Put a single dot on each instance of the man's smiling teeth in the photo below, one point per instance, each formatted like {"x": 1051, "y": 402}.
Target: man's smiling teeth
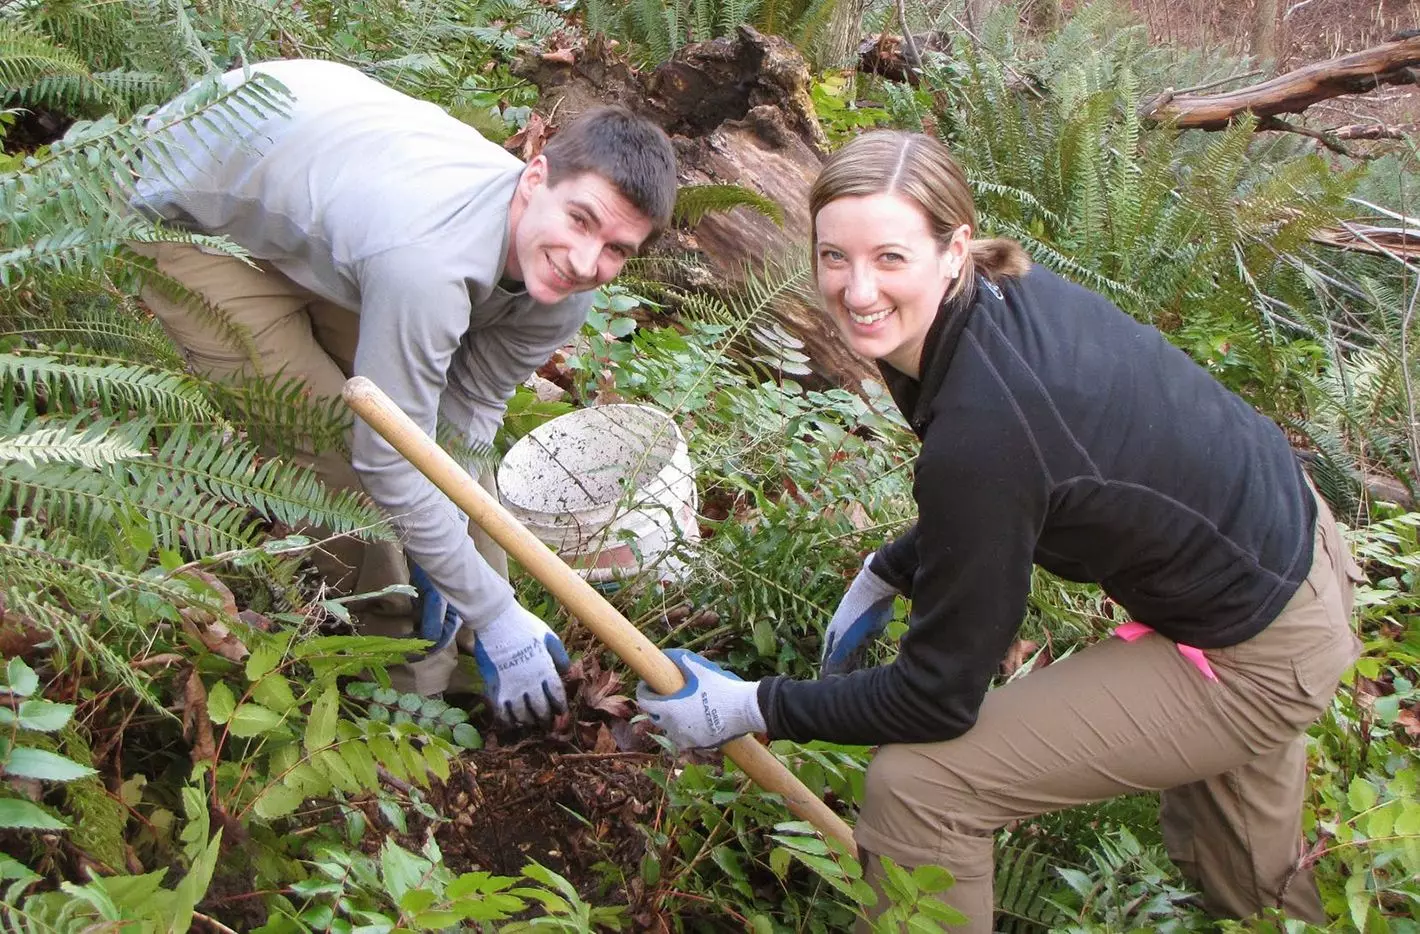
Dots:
{"x": 557, "y": 271}
{"x": 873, "y": 318}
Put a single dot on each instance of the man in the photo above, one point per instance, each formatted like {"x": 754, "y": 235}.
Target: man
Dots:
{"x": 394, "y": 242}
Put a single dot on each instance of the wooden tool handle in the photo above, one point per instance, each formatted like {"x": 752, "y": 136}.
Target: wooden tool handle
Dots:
{"x": 594, "y": 612}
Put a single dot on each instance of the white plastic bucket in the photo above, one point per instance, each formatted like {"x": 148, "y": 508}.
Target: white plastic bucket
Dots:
{"x": 611, "y": 489}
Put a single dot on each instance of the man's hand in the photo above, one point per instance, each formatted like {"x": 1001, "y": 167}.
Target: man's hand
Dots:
{"x": 714, "y": 706}
{"x": 863, "y": 612}
{"x": 438, "y": 621}
{"x": 522, "y": 662}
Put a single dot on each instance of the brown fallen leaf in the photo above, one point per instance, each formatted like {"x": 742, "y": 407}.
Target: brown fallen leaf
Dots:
{"x": 196, "y": 724}
{"x": 255, "y": 620}
{"x": 214, "y": 635}
{"x": 527, "y": 143}
{"x": 561, "y": 56}
{"x": 1017, "y": 655}
{"x": 1410, "y": 719}
{"x": 606, "y": 743}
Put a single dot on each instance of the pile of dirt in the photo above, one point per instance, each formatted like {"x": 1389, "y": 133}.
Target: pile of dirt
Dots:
{"x": 571, "y": 811}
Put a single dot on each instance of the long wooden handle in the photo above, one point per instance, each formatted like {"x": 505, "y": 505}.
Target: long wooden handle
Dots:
{"x": 603, "y": 619}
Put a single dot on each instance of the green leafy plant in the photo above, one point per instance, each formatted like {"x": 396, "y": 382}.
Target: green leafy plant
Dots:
{"x": 24, "y": 713}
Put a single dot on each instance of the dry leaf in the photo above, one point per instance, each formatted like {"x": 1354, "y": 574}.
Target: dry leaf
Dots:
{"x": 1017, "y": 655}
{"x": 196, "y": 725}
{"x": 561, "y": 56}
{"x": 858, "y": 517}
{"x": 605, "y": 743}
{"x": 216, "y": 636}
{"x": 527, "y": 143}
{"x": 1410, "y": 719}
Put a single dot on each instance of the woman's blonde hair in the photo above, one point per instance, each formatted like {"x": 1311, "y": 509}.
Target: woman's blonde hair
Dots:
{"x": 919, "y": 168}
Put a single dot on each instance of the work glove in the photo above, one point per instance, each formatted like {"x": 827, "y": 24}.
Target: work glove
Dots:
{"x": 862, "y": 614}
{"x": 714, "y": 706}
{"x": 522, "y": 662}
{"x": 438, "y": 621}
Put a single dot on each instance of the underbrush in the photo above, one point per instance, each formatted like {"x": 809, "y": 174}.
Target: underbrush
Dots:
{"x": 192, "y": 737}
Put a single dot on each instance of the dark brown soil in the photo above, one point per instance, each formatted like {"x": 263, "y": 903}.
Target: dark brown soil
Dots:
{"x": 568, "y": 810}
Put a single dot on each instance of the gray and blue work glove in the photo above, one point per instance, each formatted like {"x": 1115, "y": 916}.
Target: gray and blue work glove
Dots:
{"x": 519, "y": 657}
{"x": 438, "y": 621}
{"x": 862, "y": 614}
{"x": 714, "y": 706}
{"x": 522, "y": 663}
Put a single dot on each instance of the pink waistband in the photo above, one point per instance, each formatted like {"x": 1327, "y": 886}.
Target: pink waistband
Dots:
{"x": 1132, "y": 631}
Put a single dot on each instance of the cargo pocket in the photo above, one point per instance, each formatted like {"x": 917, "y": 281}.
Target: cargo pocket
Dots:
{"x": 1317, "y": 674}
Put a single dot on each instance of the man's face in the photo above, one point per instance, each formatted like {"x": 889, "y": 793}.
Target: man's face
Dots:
{"x": 572, "y": 236}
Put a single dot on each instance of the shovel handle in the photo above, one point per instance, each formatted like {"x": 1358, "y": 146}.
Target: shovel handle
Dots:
{"x": 614, "y": 630}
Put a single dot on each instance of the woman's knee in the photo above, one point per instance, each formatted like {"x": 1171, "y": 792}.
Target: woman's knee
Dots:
{"x": 918, "y": 802}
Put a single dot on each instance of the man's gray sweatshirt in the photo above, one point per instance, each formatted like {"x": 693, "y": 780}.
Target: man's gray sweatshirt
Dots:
{"x": 387, "y": 206}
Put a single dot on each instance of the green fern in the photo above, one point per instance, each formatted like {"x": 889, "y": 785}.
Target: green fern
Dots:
{"x": 43, "y": 441}
{"x": 224, "y": 470}
{"x": 1025, "y": 888}
{"x": 116, "y": 387}
{"x": 695, "y": 201}
{"x": 34, "y": 70}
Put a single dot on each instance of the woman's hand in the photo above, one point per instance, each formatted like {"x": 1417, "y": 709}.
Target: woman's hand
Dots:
{"x": 862, "y": 614}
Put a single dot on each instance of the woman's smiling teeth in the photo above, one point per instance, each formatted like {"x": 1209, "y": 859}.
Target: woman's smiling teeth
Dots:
{"x": 873, "y": 318}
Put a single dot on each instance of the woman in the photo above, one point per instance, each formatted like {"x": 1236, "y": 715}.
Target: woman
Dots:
{"x": 1056, "y": 431}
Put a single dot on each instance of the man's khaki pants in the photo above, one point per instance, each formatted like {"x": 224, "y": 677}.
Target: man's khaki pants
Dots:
{"x": 285, "y": 329}
{"x": 1229, "y": 756}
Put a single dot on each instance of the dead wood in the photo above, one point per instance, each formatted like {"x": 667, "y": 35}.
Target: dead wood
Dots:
{"x": 886, "y": 54}
{"x": 1395, "y": 62}
{"x": 739, "y": 112}
{"x": 1375, "y": 131}
{"x": 1396, "y": 242}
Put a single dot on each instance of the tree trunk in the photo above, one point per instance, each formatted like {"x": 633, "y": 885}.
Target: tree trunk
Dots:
{"x": 1265, "y": 17}
{"x": 976, "y": 12}
{"x": 839, "y": 45}
{"x": 739, "y": 112}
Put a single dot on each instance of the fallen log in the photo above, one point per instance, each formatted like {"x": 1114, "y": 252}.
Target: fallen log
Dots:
{"x": 1376, "y": 131}
{"x": 739, "y": 112}
{"x": 1398, "y": 242}
{"x": 1395, "y": 62}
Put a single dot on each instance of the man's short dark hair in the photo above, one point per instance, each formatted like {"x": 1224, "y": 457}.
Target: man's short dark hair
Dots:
{"x": 629, "y": 151}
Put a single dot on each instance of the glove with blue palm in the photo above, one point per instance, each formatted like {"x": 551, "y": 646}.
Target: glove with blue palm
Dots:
{"x": 522, "y": 662}
{"x": 714, "y": 706}
{"x": 862, "y": 614}
{"x": 438, "y": 621}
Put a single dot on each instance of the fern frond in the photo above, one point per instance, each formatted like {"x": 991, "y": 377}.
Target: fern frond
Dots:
{"x": 116, "y": 387}
{"x": 279, "y": 413}
{"x": 693, "y": 202}
{"x": 109, "y": 329}
{"x": 34, "y": 70}
{"x": 76, "y": 638}
{"x": 236, "y": 473}
{"x": 98, "y": 502}
{"x": 1025, "y": 887}
{"x": 44, "y": 441}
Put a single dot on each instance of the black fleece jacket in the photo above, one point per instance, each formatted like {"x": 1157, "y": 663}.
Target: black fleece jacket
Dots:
{"x": 1058, "y": 431}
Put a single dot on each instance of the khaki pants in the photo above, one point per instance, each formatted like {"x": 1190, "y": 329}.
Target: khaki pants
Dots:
{"x": 262, "y": 324}
{"x": 1120, "y": 717}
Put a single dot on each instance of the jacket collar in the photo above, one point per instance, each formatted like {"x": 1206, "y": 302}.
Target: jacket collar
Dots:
{"x": 914, "y": 396}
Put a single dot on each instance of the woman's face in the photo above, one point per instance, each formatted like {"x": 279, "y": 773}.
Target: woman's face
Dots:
{"x": 883, "y": 275}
